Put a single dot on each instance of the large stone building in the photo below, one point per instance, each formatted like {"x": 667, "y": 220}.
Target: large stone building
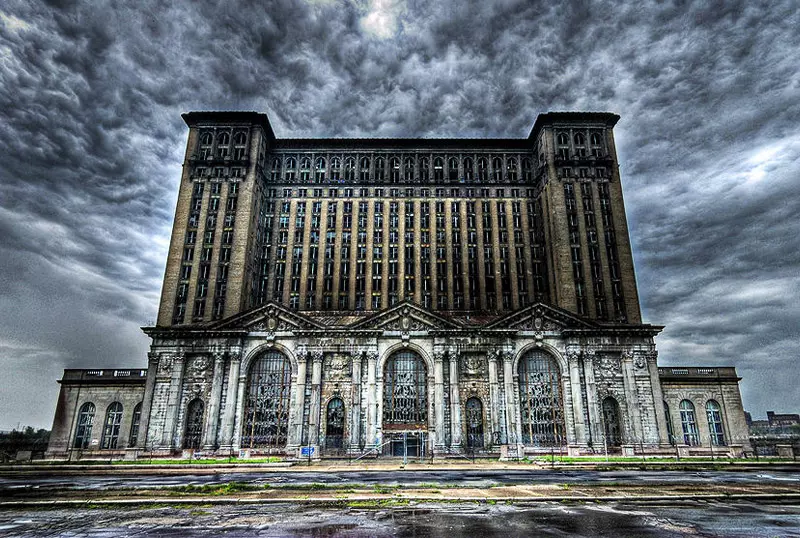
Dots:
{"x": 356, "y": 295}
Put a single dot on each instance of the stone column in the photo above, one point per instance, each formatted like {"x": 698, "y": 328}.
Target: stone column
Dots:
{"x": 229, "y": 414}
{"x": 494, "y": 396}
{"x": 511, "y": 408}
{"x": 591, "y": 399}
{"x": 316, "y": 396}
{"x": 147, "y": 401}
{"x": 238, "y": 419}
{"x": 573, "y": 363}
{"x": 632, "y": 397}
{"x": 658, "y": 398}
{"x": 455, "y": 402}
{"x": 212, "y": 416}
{"x": 355, "y": 409}
{"x": 298, "y": 402}
{"x": 372, "y": 402}
{"x": 174, "y": 401}
{"x": 438, "y": 398}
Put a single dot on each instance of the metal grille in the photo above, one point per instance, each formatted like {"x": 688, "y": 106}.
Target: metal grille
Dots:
{"x": 334, "y": 428}
{"x": 405, "y": 394}
{"x": 474, "y": 416}
{"x": 111, "y": 427}
{"x": 194, "y": 424}
{"x": 83, "y": 435}
{"x": 540, "y": 400}
{"x": 266, "y": 413}
{"x": 611, "y": 422}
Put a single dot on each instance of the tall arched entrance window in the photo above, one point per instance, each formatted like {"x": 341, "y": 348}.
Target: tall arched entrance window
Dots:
{"x": 111, "y": 426}
{"x": 541, "y": 402}
{"x": 334, "y": 424}
{"x": 714, "y": 414}
{"x": 194, "y": 424}
{"x": 83, "y": 433}
{"x": 474, "y": 416}
{"x": 405, "y": 400}
{"x": 611, "y": 422}
{"x": 266, "y": 405}
{"x": 133, "y": 436}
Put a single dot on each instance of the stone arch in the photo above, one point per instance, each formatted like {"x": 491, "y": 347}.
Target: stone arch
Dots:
{"x": 543, "y": 397}
{"x": 547, "y": 348}
{"x": 404, "y": 346}
{"x": 406, "y": 398}
{"x": 257, "y": 351}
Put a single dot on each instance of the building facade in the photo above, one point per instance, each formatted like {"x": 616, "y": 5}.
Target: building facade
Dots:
{"x": 358, "y": 295}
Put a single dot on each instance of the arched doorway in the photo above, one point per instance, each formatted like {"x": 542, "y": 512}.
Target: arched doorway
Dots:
{"x": 474, "y": 417}
{"x": 541, "y": 402}
{"x": 334, "y": 425}
{"x": 405, "y": 403}
{"x": 265, "y": 421}
{"x": 611, "y": 422}
{"x": 194, "y": 424}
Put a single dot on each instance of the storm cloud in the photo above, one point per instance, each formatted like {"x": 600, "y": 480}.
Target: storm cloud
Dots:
{"x": 92, "y": 142}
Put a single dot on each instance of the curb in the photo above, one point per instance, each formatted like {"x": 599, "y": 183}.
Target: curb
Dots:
{"x": 757, "y": 498}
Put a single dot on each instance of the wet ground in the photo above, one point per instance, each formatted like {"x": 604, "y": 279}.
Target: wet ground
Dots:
{"x": 418, "y": 520}
{"x": 462, "y": 478}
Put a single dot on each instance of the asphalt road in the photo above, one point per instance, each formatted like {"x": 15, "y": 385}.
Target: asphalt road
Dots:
{"x": 464, "y": 478}
{"x": 421, "y": 520}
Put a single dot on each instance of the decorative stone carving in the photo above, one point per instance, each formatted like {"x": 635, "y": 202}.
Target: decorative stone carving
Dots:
{"x": 316, "y": 355}
{"x": 337, "y": 366}
{"x": 198, "y": 366}
{"x": 165, "y": 364}
{"x": 438, "y": 356}
{"x": 608, "y": 368}
{"x": 473, "y": 365}
{"x": 639, "y": 361}
{"x": 153, "y": 356}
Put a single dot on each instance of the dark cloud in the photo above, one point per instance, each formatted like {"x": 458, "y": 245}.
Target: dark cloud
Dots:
{"x": 91, "y": 143}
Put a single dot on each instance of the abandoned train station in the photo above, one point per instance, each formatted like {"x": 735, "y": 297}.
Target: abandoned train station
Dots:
{"x": 385, "y": 297}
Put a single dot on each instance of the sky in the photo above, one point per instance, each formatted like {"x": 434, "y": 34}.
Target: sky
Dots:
{"x": 91, "y": 146}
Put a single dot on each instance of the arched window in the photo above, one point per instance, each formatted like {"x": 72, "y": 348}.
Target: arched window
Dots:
{"x": 670, "y": 429}
{"x": 596, "y": 139}
{"x": 350, "y": 169}
{"x": 380, "y": 168}
{"x": 305, "y": 163}
{"x": 714, "y": 414}
{"x": 334, "y": 424}
{"x": 527, "y": 170}
{"x": 474, "y": 417}
{"x": 497, "y": 169}
{"x": 580, "y": 140}
{"x": 319, "y": 170}
{"x": 468, "y": 170}
{"x": 111, "y": 426}
{"x": 365, "y": 163}
{"x": 194, "y": 424}
{"x": 483, "y": 169}
{"x": 206, "y": 141}
{"x": 239, "y": 142}
{"x": 275, "y": 173}
{"x": 405, "y": 390}
{"x": 611, "y": 422}
{"x": 540, "y": 400}
{"x": 452, "y": 169}
{"x": 320, "y": 163}
{"x": 438, "y": 169}
{"x": 266, "y": 406}
{"x": 689, "y": 423}
{"x": 563, "y": 139}
{"x": 511, "y": 165}
{"x": 291, "y": 163}
{"x": 223, "y": 141}
{"x": 424, "y": 169}
{"x": 336, "y": 163}
{"x": 136, "y": 419}
{"x": 83, "y": 433}
{"x": 364, "y": 174}
{"x": 408, "y": 169}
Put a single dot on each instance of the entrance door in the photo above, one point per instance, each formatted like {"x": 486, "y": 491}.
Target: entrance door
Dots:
{"x": 334, "y": 426}
{"x": 474, "y": 415}
{"x": 408, "y": 444}
{"x": 611, "y": 421}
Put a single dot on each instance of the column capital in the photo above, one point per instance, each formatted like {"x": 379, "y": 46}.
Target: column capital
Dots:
{"x": 438, "y": 356}
{"x": 235, "y": 354}
{"x": 179, "y": 356}
{"x": 316, "y": 355}
{"x": 372, "y": 356}
{"x": 153, "y": 356}
{"x": 218, "y": 356}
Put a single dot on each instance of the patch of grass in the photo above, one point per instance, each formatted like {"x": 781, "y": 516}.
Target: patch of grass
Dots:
{"x": 383, "y": 490}
{"x": 377, "y": 503}
{"x": 227, "y": 488}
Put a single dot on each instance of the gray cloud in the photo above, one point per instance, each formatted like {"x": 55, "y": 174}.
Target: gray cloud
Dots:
{"x": 91, "y": 142}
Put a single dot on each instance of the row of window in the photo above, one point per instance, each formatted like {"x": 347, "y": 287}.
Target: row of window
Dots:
{"x": 689, "y": 429}
{"x": 109, "y": 439}
{"x": 396, "y": 169}
{"x": 221, "y": 147}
